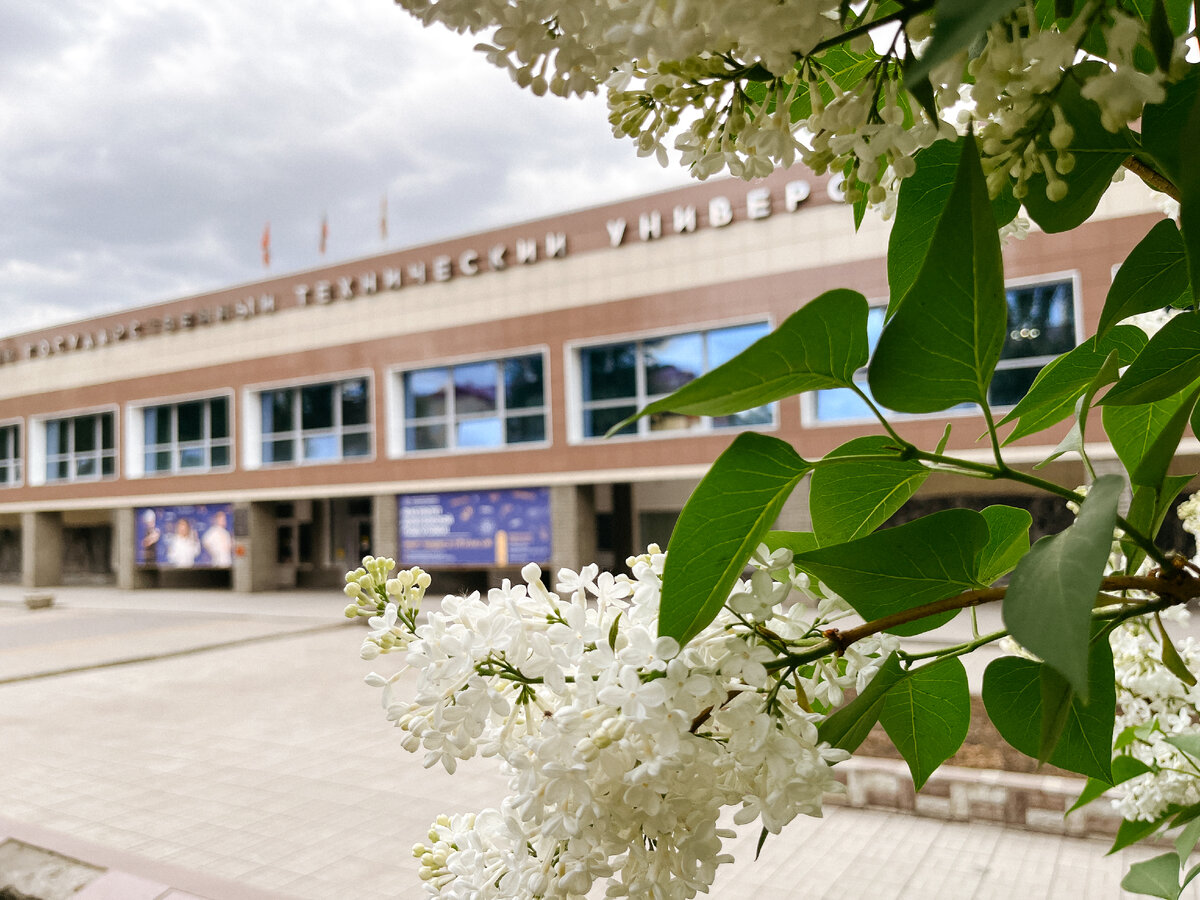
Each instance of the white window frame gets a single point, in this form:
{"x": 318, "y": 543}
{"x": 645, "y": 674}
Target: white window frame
{"x": 16, "y": 461}
{"x": 40, "y": 458}
{"x": 255, "y": 436}
{"x": 399, "y": 421}
{"x": 574, "y": 371}
{"x": 808, "y": 402}
{"x": 135, "y": 436}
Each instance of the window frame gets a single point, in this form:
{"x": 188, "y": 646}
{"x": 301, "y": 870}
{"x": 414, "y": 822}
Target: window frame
{"x": 138, "y": 447}
{"x": 808, "y": 401}
{"x": 38, "y": 464}
{"x": 255, "y": 436}
{"x": 573, "y": 351}
{"x": 399, "y": 421}
{"x": 18, "y": 459}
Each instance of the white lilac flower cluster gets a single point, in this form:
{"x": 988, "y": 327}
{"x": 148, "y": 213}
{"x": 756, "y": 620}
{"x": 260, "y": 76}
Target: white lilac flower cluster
{"x": 757, "y": 84}
{"x": 621, "y": 748}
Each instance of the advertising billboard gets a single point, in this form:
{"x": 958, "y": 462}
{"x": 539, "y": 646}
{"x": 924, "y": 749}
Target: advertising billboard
{"x": 475, "y": 528}
{"x": 185, "y": 537}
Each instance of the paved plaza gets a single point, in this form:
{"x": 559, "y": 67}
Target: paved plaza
{"x": 225, "y": 746}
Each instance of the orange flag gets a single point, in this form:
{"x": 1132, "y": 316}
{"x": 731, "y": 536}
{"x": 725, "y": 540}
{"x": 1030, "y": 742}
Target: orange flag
{"x": 266, "y": 244}
{"x": 383, "y": 218}
{"x": 324, "y": 233}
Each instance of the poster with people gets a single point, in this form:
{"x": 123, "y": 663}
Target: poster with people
{"x": 475, "y": 528}
{"x": 185, "y": 537}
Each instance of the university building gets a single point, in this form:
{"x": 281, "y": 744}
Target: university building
{"x": 447, "y": 404}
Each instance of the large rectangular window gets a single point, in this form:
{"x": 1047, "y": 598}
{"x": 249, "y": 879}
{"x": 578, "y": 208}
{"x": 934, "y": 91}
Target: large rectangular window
{"x": 1041, "y": 325}
{"x": 316, "y": 422}
{"x": 10, "y": 455}
{"x": 81, "y": 448}
{"x": 192, "y": 436}
{"x": 618, "y": 379}
{"x": 475, "y": 405}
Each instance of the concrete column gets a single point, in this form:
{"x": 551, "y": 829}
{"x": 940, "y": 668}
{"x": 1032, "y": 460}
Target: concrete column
{"x": 254, "y": 542}
{"x": 41, "y": 549}
{"x": 385, "y": 526}
{"x": 129, "y": 575}
{"x": 573, "y": 529}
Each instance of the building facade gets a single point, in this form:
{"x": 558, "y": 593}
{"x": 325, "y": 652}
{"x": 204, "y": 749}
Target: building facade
{"x": 447, "y": 404}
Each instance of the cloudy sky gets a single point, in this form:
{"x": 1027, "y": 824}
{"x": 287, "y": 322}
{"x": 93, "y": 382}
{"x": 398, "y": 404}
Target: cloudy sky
{"x": 144, "y": 144}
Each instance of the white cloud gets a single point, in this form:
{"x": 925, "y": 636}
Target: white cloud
{"x": 147, "y": 142}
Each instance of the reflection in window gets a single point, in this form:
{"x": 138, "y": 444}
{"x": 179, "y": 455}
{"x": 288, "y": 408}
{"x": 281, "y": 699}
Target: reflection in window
{"x": 618, "y": 379}
{"x": 324, "y": 422}
{"x": 1041, "y": 325}
{"x": 10, "y": 455}
{"x": 81, "y": 448}
{"x": 187, "y": 437}
{"x": 476, "y": 405}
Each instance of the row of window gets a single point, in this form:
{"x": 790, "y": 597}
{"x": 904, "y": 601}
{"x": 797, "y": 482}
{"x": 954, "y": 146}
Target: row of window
{"x": 476, "y": 405}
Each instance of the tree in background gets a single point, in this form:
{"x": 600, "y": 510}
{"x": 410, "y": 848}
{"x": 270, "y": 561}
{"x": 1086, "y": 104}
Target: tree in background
{"x": 629, "y": 710}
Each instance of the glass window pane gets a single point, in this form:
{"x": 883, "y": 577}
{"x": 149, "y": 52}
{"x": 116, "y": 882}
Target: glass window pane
{"x": 1041, "y": 320}
{"x": 276, "y": 411}
{"x": 726, "y": 343}
{"x": 322, "y": 447}
{"x": 523, "y": 385}
{"x": 669, "y": 421}
{"x": 425, "y": 393}
{"x": 156, "y": 425}
{"x": 596, "y": 422}
{"x": 836, "y": 404}
{"x": 191, "y": 421}
{"x": 672, "y": 362}
{"x": 609, "y": 373}
{"x": 55, "y": 437}
{"x": 355, "y": 402}
{"x": 192, "y": 458}
{"x": 1010, "y": 385}
{"x": 158, "y": 461}
{"x": 108, "y": 465}
{"x": 316, "y": 407}
{"x": 5, "y": 477}
{"x": 220, "y": 456}
{"x": 356, "y": 444}
{"x": 525, "y": 428}
{"x": 219, "y": 417}
{"x": 84, "y": 428}
{"x": 479, "y": 433}
{"x": 475, "y": 387}
{"x": 760, "y": 415}
{"x": 107, "y": 440}
{"x": 85, "y": 466}
{"x": 425, "y": 437}
{"x": 58, "y": 470}
{"x": 278, "y": 451}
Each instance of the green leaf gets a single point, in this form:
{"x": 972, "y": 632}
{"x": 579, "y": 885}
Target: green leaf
{"x": 1098, "y": 154}
{"x": 843, "y": 67}
{"x": 819, "y": 346}
{"x": 852, "y": 498}
{"x": 1132, "y": 430}
{"x": 1073, "y": 440}
{"x": 1162, "y": 41}
{"x": 922, "y": 199}
{"x": 942, "y": 344}
{"x": 1163, "y": 126}
{"x": 957, "y": 24}
{"x": 1168, "y": 364}
{"x": 1154, "y": 275}
{"x": 1158, "y": 456}
{"x": 1052, "y": 396}
{"x": 1123, "y": 769}
{"x": 1188, "y": 743}
{"x": 1157, "y": 877}
{"x": 726, "y": 517}
{"x": 1008, "y": 541}
{"x": 927, "y": 715}
{"x": 796, "y": 541}
{"x": 1186, "y": 840}
{"x": 1188, "y": 182}
{"x": 1048, "y": 606}
{"x": 847, "y": 728}
{"x": 899, "y": 568}
{"x": 1130, "y": 831}
{"x": 1147, "y": 512}
{"x": 1056, "y": 710}
{"x": 1012, "y": 695}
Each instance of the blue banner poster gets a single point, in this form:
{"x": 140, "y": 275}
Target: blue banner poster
{"x": 475, "y": 528}
{"x": 185, "y": 537}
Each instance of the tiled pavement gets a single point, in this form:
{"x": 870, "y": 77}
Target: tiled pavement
{"x": 268, "y": 767}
